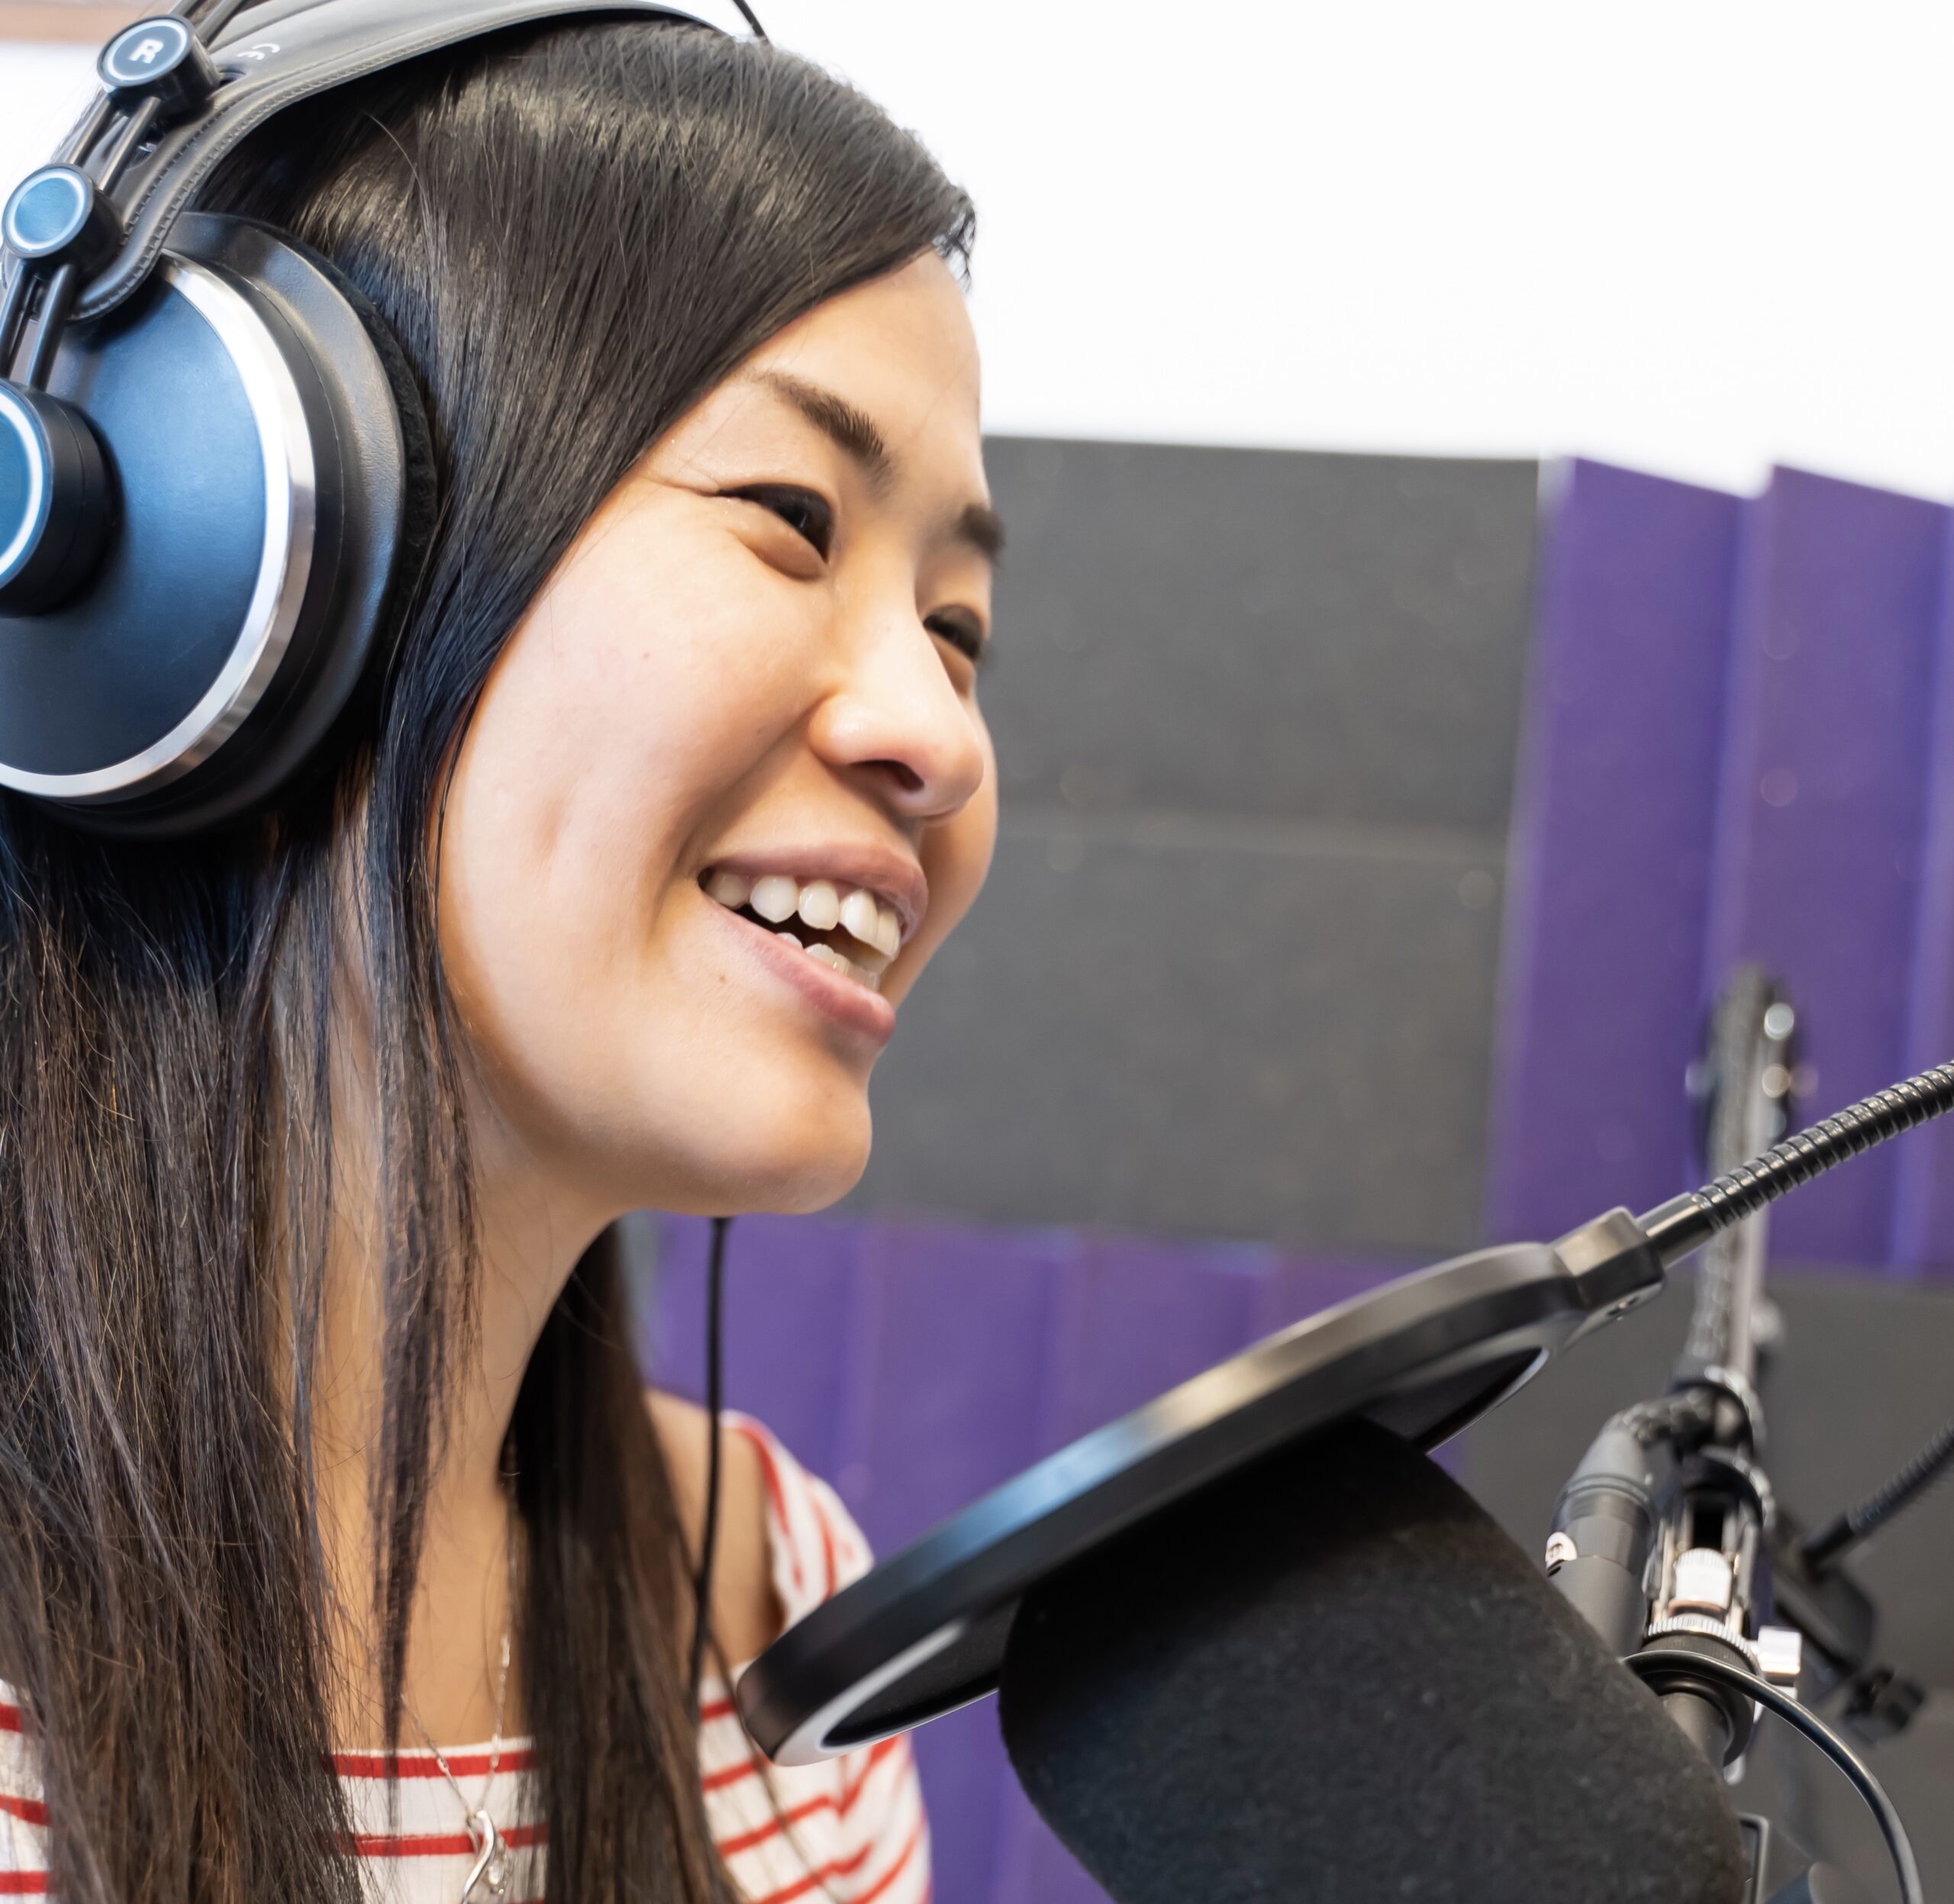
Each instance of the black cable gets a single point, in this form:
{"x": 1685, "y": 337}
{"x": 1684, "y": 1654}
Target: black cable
{"x": 56, "y": 303}
{"x": 1686, "y": 1223}
{"x": 133, "y": 131}
{"x": 13, "y": 314}
{"x": 79, "y": 143}
{"x": 751, "y": 20}
{"x": 715, "y": 1358}
{"x": 1838, "y": 1537}
{"x": 1659, "y": 1664}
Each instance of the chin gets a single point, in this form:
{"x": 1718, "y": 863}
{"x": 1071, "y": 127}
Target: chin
{"x": 781, "y": 1166}
{"x": 813, "y": 1194}
{"x": 820, "y": 1175}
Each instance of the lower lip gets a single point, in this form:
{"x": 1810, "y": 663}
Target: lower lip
{"x": 841, "y": 999}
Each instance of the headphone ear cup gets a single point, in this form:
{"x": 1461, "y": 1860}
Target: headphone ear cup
{"x": 382, "y": 452}
{"x": 387, "y": 453}
{"x": 274, "y": 475}
{"x": 419, "y": 491}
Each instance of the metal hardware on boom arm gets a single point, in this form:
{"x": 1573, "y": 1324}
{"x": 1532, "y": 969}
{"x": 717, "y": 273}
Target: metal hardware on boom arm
{"x": 1668, "y": 1538}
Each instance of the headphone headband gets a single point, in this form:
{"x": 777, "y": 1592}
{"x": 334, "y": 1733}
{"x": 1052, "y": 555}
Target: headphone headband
{"x": 273, "y": 55}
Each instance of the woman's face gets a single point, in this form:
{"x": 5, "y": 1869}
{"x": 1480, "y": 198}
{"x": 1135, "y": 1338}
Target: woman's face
{"x": 740, "y": 721}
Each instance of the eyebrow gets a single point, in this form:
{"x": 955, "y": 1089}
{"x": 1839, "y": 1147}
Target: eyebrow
{"x": 983, "y": 529}
{"x": 853, "y": 431}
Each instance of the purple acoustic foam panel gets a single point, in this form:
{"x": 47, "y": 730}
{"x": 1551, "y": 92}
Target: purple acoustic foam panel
{"x": 1295, "y": 1287}
{"x": 1822, "y": 810}
{"x": 906, "y": 1363}
{"x": 947, "y": 1379}
{"x": 1608, "y": 867}
{"x": 917, "y": 1366}
{"x": 1923, "y": 1215}
{"x": 1034, "y": 1867}
{"x": 790, "y": 1294}
{"x": 1134, "y": 1316}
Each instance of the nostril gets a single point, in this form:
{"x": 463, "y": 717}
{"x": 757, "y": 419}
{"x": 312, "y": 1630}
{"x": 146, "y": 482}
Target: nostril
{"x": 906, "y": 778}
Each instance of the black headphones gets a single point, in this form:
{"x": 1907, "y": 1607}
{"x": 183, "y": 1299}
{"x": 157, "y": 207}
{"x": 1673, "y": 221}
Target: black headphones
{"x": 214, "y": 465}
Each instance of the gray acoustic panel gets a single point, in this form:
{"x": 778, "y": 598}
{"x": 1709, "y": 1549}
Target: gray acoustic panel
{"x": 1293, "y": 635}
{"x": 1256, "y": 714}
{"x": 1226, "y": 1029}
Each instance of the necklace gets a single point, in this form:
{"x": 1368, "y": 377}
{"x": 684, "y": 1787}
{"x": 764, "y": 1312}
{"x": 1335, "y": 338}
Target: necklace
{"x": 491, "y": 1868}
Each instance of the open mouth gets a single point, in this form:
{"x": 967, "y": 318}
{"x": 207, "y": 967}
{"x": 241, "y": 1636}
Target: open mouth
{"x": 847, "y": 929}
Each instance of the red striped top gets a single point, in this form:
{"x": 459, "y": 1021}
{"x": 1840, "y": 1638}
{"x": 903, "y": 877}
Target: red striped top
{"x": 851, "y": 1829}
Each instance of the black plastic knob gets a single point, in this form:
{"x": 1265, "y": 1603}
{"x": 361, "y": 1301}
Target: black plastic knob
{"x": 161, "y": 58}
{"x": 55, "y": 216}
{"x": 56, "y": 503}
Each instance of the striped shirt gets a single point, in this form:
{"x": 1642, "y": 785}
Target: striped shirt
{"x": 851, "y": 1829}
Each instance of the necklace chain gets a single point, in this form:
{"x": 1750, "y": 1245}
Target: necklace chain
{"x": 491, "y": 1853}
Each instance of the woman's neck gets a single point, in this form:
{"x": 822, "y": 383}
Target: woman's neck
{"x": 530, "y": 1234}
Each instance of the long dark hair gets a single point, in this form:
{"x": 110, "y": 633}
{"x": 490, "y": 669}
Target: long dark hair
{"x": 574, "y": 234}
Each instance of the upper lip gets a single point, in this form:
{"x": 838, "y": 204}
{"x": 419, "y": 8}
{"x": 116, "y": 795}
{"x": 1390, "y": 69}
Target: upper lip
{"x": 894, "y": 878}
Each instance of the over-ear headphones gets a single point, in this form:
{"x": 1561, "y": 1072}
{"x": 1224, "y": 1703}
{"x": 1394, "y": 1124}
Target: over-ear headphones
{"x": 214, "y": 470}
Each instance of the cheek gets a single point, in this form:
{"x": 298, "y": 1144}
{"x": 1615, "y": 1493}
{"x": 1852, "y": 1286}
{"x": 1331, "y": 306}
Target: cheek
{"x": 605, "y": 738}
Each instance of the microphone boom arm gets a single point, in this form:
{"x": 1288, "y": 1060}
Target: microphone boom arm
{"x": 1672, "y": 1568}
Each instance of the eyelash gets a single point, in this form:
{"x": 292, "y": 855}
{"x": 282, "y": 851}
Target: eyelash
{"x": 807, "y": 512}
{"x": 962, "y": 635}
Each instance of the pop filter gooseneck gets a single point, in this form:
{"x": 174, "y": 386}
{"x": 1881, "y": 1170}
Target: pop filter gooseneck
{"x": 1686, "y": 1222}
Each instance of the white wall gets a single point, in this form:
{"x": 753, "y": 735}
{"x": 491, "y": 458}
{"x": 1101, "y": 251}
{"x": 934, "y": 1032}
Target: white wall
{"x": 1692, "y": 235}
{"x": 41, "y": 89}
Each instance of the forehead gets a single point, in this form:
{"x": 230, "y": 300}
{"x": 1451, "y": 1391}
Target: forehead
{"x": 900, "y": 348}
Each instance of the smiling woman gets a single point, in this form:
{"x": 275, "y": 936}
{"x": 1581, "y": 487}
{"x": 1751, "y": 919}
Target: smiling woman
{"x": 320, "y": 1426}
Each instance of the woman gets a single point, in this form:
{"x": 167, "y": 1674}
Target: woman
{"x": 319, "y": 1430}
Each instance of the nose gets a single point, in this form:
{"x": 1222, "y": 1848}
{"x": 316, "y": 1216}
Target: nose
{"x": 896, "y": 721}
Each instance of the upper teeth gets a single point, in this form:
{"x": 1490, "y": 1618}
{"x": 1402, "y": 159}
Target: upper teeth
{"x": 819, "y": 903}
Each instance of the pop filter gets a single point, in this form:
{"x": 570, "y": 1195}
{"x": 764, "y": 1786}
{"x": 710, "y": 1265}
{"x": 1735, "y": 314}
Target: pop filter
{"x": 924, "y": 1633}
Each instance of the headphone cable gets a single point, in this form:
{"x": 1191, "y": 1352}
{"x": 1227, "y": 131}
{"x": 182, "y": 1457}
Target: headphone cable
{"x": 715, "y": 1357}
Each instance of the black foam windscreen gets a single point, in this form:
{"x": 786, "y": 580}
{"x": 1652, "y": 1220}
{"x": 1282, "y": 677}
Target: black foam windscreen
{"x": 1333, "y": 1680}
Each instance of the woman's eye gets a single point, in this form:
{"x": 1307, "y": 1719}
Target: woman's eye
{"x": 803, "y": 511}
{"x": 961, "y": 630}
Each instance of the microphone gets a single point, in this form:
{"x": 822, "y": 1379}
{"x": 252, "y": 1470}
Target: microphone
{"x": 1333, "y": 1679}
